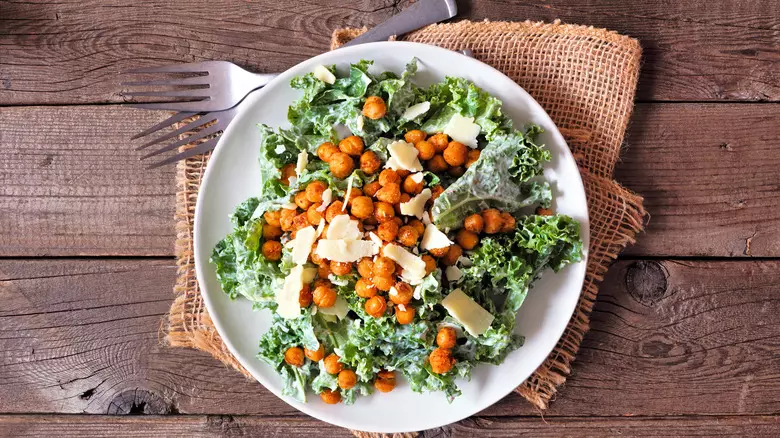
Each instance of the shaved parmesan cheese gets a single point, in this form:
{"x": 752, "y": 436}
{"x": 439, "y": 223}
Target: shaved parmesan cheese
{"x": 289, "y": 206}
{"x": 287, "y": 297}
{"x": 453, "y": 273}
{"x": 322, "y": 73}
{"x": 403, "y": 156}
{"x": 426, "y": 219}
{"x": 376, "y": 239}
{"x": 301, "y": 245}
{"x": 434, "y": 239}
{"x": 327, "y": 197}
{"x": 417, "y": 177}
{"x": 349, "y": 191}
{"x": 475, "y": 319}
{"x": 359, "y": 123}
{"x": 279, "y": 149}
{"x": 346, "y": 250}
{"x": 416, "y": 205}
{"x": 416, "y": 110}
{"x": 463, "y": 129}
{"x": 413, "y": 266}
{"x": 335, "y": 280}
{"x": 338, "y": 309}
{"x": 303, "y": 161}
{"x": 320, "y": 228}
{"x": 402, "y": 308}
{"x": 465, "y": 261}
{"x": 343, "y": 227}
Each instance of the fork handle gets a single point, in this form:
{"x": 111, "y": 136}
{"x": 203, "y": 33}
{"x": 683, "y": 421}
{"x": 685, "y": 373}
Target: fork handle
{"x": 419, "y": 14}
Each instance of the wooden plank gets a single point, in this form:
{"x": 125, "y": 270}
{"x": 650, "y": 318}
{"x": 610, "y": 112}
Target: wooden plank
{"x": 197, "y": 426}
{"x": 708, "y": 173}
{"x": 668, "y": 338}
{"x": 71, "y": 184}
{"x": 63, "y": 53}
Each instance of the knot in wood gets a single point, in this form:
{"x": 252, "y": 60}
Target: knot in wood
{"x": 140, "y": 402}
{"x": 646, "y": 282}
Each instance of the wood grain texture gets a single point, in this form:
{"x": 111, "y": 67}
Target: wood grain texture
{"x": 66, "y": 52}
{"x": 708, "y": 173}
{"x": 667, "y": 338}
{"x": 203, "y": 426}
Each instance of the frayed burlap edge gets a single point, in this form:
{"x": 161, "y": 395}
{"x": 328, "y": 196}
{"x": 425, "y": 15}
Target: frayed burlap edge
{"x": 616, "y": 214}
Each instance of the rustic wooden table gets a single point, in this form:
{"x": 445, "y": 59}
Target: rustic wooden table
{"x": 686, "y": 332}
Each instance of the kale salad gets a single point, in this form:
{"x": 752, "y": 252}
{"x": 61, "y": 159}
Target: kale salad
{"x": 397, "y": 232}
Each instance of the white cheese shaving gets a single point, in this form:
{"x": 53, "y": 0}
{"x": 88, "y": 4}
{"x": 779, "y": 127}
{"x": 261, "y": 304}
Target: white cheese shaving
{"x": 338, "y": 309}
{"x": 463, "y": 129}
{"x": 359, "y": 123}
{"x": 287, "y": 296}
{"x": 464, "y": 261}
{"x": 346, "y": 250}
{"x": 343, "y": 227}
{"x": 426, "y": 219}
{"x": 416, "y": 110}
{"x": 403, "y": 156}
{"x": 320, "y": 228}
{"x": 417, "y": 177}
{"x": 335, "y": 280}
{"x": 327, "y": 197}
{"x": 289, "y": 206}
{"x": 303, "y": 161}
{"x": 413, "y": 266}
{"x": 349, "y": 191}
{"x": 474, "y": 318}
{"x": 322, "y": 73}
{"x": 279, "y": 149}
{"x": 453, "y": 273}
{"x": 402, "y": 308}
{"x": 434, "y": 239}
{"x": 416, "y": 205}
{"x": 376, "y": 239}
{"x": 301, "y": 245}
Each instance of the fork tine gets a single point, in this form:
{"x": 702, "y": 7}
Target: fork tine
{"x": 191, "y": 67}
{"x": 200, "y": 121}
{"x": 194, "y": 137}
{"x": 177, "y": 117}
{"x": 197, "y": 150}
{"x": 194, "y": 93}
{"x": 193, "y": 80}
{"x": 194, "y": 106}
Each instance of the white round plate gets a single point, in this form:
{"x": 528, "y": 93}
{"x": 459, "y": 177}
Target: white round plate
{"x": 233, "y": 175}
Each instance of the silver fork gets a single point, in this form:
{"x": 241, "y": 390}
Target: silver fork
{"x": 220, "y": 120}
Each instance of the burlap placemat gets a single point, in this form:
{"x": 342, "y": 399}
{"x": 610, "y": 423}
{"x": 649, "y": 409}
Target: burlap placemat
{"x": 585, "y": 78}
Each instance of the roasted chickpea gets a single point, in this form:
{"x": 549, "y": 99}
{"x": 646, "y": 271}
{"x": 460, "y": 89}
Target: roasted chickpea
{"x": 364, "y": 288}
{"x": 383, "y": 212}
{"x": 330, "y": 397}
{"x": 430, "y": 263}
{"x": 369, "y": 162}
{"x": 347, "y": 379}
{"x": 472, "y": 157}
{"x": 315, "y": 355}
{"x": 333, "y": 210}
{"x": 399, "y": 270}
{"x": 387, "y": 231}
{"x": 341, "y": 165}
{"x": 383, "y": 266}
{"x": 402, "y": 173}
{"x": 401, "y": 293}
{"x": 315, "y": 258}
{"x": 413, "y": 187}
{"x": 383, "y": 282}
{"x": 467, "y": 239}
{"x": 340, "y": 268}
{"x": 446, "y": 337}
{"x": 326, "y": 150}
{"x": 301, "y": 201}
{"x": 404, "y": 314}
{"x": 288, "y": 171}
{"x": 323, "y": 270}
{"x": 474, "y": 223}
{"x": 332, "y": 364}
{"x": 385, "y": 374}
{"x": 414, "y": 136}
{"x": 408, "y": 236}
{"x": 437, "y": 164}
{"x": 425, "y": 150}
{"x": 272, "y": 218}
{"x": 305, "y": 296}
{"x": 314, "y": 191}
{"x": 384, "y": 385}
{"x": 362, "y": 207}
{"x": 352, "y": 145}
{"x": 374, "y": 108}
{"x": 324, "y": 296}
{"x": 417, "y": 225}
{"x": 271, "y": 232}
{"x": 286, "y": 218}
{"x": 493, "y": 221}
{"x": 455, "y": 154}
{"x": 272, "y": 250}
{"x": 457, "y": 172}
{"x": 388, "y": 176}
{"x": 371, "y": 188}
{"x": 436, "y": 191}
{"x": 366, "y": 267}
{"x": 508, "y": 222}
{"x": 315, "y": 215}
{"x": 439, "y": 141}
{"x": 541, "y": 211}
{"x": 453, "y": 254}
{"x": 354, "y": 193}
{"x": 390, "y": 193}
{"x": 441, "y": 360}
{"x": 301, "y": 221}
{"x": 376, "y": 306}
{"x": 294, "y": 356}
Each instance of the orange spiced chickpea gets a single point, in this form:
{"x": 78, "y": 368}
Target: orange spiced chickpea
{"x": 388, "y": 176}
{"x": 324, "y": 296}
{"x": 401, "y": 293}
{"x": 364, "y": 288}
{"x": 294, "y": 356}
{"x": 272, "y": 218}
{"x": 493, "y": 221}
{"x": 404, "y": 314}
{"x": 455, "y": 154}
{"x": 467, "y": 239}
{"x": 414, "y": 136}
{"x": 437, "y": 164}
{"x": 453, "y": 254}
{"x": 330, "y": 397}
{"x": 366, "y": 267}
{"x": 347, "y": 379}
{"x": 326, "y": 150}
{"x": 271, "y": 232}
{"x": 383, "y": 212}
{"x": 272, "y": 250}
{"x": 390, "y": 193}
{"x": 413, "y": 187}
{"x": 439, "y": 141}
{"x": 446, "y": 337}
{"x": 341, "y": 165}
{"x": 376, "y": 306}
{"x": 387, "y": 231}
{"x": 314, "y": 191}
{"x": 352, "y": 145}
{"x": 332, "y": 364}
{"x": 369, "y": 162}
{"x": 305, "y": 296}
{"x": 362, "y": 207}
{"x": 301, "y": 201}
{"x": 371, "y": 188}
{"x": 383, "y": 282}
{"x": 374, "y": 108}
{"x": 315, "y": 355}
{"x": 474, "y": 223}
{"x": 441, "y": 360}
{"x": 288, "y": 171}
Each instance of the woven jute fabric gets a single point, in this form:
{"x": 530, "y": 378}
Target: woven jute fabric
{"x": 584, "y": 78}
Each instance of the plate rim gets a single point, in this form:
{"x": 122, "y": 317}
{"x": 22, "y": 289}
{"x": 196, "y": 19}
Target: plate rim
{"x": 201, "y": 264}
